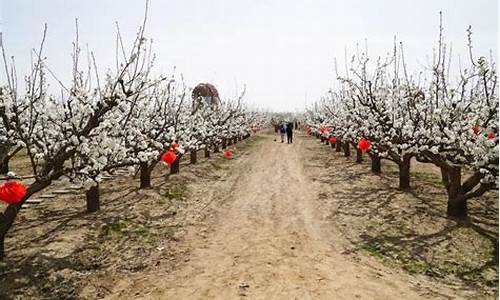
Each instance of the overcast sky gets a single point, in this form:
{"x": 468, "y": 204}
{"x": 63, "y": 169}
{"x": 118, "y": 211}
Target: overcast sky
{"x": 283, "y": 50}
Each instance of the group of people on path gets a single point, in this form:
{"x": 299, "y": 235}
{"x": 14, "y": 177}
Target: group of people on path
{"x": 288, "y": 130}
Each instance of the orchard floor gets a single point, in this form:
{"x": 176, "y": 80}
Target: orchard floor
{"x": 278, "y": 221}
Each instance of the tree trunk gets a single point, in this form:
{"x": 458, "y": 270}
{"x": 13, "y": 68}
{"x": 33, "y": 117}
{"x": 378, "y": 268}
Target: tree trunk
{"x": 322, "y": 139}
{"x": 207, "y": 152}
{"x": 457, "y": 203}
{"x": 224, "y": 144}
{"x": 359, "y": 156}
{"x": 333, "y": 145}
{"x": 4, "y": 166}
{"x": 338, "y": 146}
{"x": 4, "y": 158}
{"x": 457, "y": 208}
{"x": 445, "y": 178}
{"x": 175, "y": 167}
{"x": 376, "y": 164}
{"x": 347, "y": 150}
{"x": 92, "y": 196}
{"x": 193, "y": 158}
{"x": 404, "y": 174}
{"x": 6, "y": 221}
{"x": 216, "y": 148}
{"x": 145, "y": 175}
{"x": 229, "y": 142}
{"x": 2, "y": 247}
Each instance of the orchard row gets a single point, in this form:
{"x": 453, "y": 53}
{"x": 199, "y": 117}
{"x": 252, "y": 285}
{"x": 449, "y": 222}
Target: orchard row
{"x": 128, "y": 118}
{"x": 431, "y": 116}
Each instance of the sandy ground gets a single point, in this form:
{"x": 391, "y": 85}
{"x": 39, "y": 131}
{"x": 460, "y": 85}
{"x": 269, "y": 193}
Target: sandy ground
{"x": 278, "y": 221}
{"x": 267, "y": 238}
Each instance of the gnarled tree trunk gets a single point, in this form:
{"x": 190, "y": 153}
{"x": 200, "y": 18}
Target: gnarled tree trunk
{"x": 193, "y": 158}
{"x": 146, "y": 175}
{"x": 338, "y": 146}
{"x": 175, "y": 167}
{"x": 404, "y": 173}
{"x": 4, "y": 165}
{"x": 347, "y": 149}
{"x": 92, "y": 197}
{"x": 457, "y": 203}
{"x": 376, "y": 164}
{"x": 459, "y": 191}
{"x": 4, "y": 158}
{"x": 207, "y": 152}
{"x": 359, "y": 156}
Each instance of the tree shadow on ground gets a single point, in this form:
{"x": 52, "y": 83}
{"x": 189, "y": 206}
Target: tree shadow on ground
{"x": 62, "y": 244}
{"x": 408, "y": 228}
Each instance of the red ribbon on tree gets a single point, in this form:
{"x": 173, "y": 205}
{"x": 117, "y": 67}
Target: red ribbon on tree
{"x": 175, "y": 146}
{"x": 228, "y": 153}
{"x": 324, "y": 130}
{"x": 476, "y": 129}
{"x": 332, "y": 140}
{"x": 364, "y": 145}
{"x": 12, "y": 192}
{"x": 169, "y": 157}
{"x": 491, "y": 136}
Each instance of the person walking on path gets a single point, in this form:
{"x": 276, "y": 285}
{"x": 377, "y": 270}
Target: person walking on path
{"x": 282, "y": 132}
{"x": 289, "y": 133}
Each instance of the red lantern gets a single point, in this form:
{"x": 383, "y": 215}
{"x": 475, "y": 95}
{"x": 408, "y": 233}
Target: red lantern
{"x": 228, "y": 154}
{"x": 332, "y": 140}
{"x": 12, "y": 192}
{"x": 169, "y": 157}
{"x": 476, "y": 129}
{"x": 491, "y": 136}
{"x": 364, "y": 145}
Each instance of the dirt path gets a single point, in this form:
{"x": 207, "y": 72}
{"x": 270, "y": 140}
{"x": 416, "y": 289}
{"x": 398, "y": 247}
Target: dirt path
{"x": 268, "y": 240}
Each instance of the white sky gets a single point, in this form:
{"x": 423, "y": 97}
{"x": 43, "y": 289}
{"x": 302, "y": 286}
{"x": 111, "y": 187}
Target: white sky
{"x": 283, "y": 50}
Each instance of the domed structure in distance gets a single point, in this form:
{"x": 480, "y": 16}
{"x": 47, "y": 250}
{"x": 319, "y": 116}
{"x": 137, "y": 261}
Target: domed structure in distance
{"x": 205, "y": 94}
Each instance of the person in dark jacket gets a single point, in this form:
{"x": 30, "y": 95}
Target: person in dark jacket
{"x": 282, "y": 132}
{"x": 289, "y": 133}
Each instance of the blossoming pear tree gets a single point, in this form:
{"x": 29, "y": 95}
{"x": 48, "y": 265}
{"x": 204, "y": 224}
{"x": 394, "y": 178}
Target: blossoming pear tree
{"x": 449, "y": 123}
